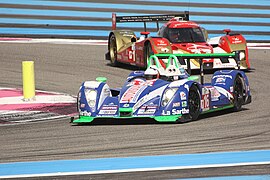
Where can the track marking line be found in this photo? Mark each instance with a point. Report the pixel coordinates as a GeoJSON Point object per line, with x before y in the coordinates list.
{"type": "Point", "coordinates": [42, 99]}
{"type": "Point", "coordinates": [134, 164]}
{"type": "Point", "coordinates": [134, 170]}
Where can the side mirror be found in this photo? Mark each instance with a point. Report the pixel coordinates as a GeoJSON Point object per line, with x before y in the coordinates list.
{"type": "Point", "coordinates": [227, 31]}
{"type": "Point", "coordinates": [145, 34]}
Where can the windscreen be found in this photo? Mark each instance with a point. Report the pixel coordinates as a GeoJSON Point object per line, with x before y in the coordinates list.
{"type": "Point", "coordinates": [185, 35]}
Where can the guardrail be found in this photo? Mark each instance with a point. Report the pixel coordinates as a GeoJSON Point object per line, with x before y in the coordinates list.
{"type": "Point", "coordinates": [92, 20]}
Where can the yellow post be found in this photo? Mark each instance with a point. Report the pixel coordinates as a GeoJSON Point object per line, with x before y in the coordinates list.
{"type": "Point", "coordinates": [28, 80]}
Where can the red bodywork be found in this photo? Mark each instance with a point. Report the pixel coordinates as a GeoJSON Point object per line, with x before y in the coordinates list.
{"type": "Point", "coordinates": [134, 54]}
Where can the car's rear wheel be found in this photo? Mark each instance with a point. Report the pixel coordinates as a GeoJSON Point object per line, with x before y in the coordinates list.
{"type": "Point", "coordinates": [113, 50]}
{"type": "Point", "coordinates": [147, 53]}
{"type": "Point", "coordinates": [194, 102]}
{"type": "Point", "coordinates": [238, 93]}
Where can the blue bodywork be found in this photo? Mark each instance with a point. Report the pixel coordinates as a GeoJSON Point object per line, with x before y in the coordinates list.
{"type": "Point", "coordinates": [161, 99]}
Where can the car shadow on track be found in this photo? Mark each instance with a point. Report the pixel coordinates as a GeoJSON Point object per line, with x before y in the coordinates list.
{"type": "Point", "coordinates": [147, 121]}
{"type": "Point", "coordinates": [220, 113]}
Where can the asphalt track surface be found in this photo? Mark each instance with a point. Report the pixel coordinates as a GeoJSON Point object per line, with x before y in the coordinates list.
{"type": "Point", "coordinates": [63, 68]}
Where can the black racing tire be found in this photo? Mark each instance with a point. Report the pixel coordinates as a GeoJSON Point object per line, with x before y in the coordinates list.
{"type": "Point", "coordinates": [148, 51]}
{"type": "Point", "coordinates": [238, 93]}
{"type": "Point", "coordinates": [194, 102]}
{"type": "Point", "coordinates": [113, 50]}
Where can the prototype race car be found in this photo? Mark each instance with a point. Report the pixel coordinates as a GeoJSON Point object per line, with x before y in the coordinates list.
{"type": "Point", "coordinates": [177, 36]}
{"type": "Point", "coordinates": [164, 93]}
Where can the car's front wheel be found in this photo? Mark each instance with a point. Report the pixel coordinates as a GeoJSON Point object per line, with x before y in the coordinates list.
{"type": "Point", "coordinates": [147, 53]}
{"type": "Point", "coordinates": [194, 99]}
{"type": "Point", "coordinates": [113, 50]}
{"type": "Point", "coordinates": [194, 102]}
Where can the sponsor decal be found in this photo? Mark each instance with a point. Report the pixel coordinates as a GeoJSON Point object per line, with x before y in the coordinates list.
{"type": "Point", "coordinates": [178, 112]}
{"type": "Point", "coordinates": [183, 95]}
{"type": "Point", "coordinates": [109, 107]}
{"type": "Point", "coordinates": [222, 76]}
{"type": "Point", "coordinates": [231, 89]}
{"type": "Point", "coordinates": [126, 105]}
{"type": "Point", "coordinates": [198, 49]}
{"type": "Point", "coordinates": [220, 80]}
{"type": "Point", "coordinates": [185, 111]}
{"type": "Point", "coordinates": [139, 48]}
{"type": "Point", "coordinates": [161, 42]}
{"type": "Point", "coordinates": [214, 93]}
{"type": "Point", "coordinates": [166, 113]}
{"type": "Point", "coordinates": [147, 110]}
{"type": "Point", "coordinates": [85, 113]}
{"type": "Point", "coordinates": [108, 110]}
{"type": "Point", "coordinates": [132, 94]}
{"type": "Point", "coordinates": [176, 104]}
{"type": "Point", "coordinates": [141, 82]}
{"type": "Point", "coordinates": [184, 103]}
{"type": "Point", "coordinates": [236, 40]}
{"type": "Point", "coordinates": [178, 51]}
{"type": "Point", "coordinates": [175, 112]}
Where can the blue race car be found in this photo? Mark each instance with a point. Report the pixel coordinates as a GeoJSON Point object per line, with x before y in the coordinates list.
{"type": "Point", "coordinates": [165, 92]}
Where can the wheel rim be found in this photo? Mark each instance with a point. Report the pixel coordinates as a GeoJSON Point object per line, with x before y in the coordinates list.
{"type": "Point", "coordinates": [112, 49]}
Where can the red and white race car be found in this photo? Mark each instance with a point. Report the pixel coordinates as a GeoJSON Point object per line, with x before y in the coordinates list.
{"type": "Point", "coordinates": [177, 36]}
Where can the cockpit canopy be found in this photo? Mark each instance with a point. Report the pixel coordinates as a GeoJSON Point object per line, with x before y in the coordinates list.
{"type": "Point", "coordinates": [182, 35]}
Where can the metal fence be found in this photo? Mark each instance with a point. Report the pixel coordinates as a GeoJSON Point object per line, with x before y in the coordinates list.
{"type": "Point", "coordinates": [91, 19]}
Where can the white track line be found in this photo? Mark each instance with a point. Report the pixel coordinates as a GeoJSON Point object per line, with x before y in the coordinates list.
{"type": "Point", "coordinates": [59, 41]}
{"type": "Point", "coordinates": [135, 170]}
{"type": "Point", "coordinates": [44, 99]}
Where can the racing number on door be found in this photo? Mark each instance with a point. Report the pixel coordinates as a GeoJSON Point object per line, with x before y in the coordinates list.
{"type": "Point", "coordinates": [130, 55]}
{"type": "Point", "coordinates": [205, 103]}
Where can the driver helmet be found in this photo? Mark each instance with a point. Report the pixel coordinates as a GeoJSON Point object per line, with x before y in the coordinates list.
{"type": "Point", "coordinates": [151, 73]}
{"type": "Point", "coordinates": [174, 36]}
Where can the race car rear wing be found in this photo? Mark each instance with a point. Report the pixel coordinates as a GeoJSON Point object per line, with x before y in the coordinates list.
{"type": "Point", "coordinates": [148, 18]}
{"type": "Point", "coordinates": [235, 55]}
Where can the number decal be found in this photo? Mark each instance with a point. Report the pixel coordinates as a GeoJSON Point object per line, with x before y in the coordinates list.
{"type": "Point", "coordinates": [130, 55]}
{"type": "Point", "coordinates": [205, 102]}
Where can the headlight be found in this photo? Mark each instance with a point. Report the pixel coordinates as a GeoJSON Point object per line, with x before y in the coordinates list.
{"type": "Point", "coordinates": [169, 93]}
{"type": "Point", "coordinates": [242, 55]}
{"type": "Point", "coordinates": [91, 96]}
